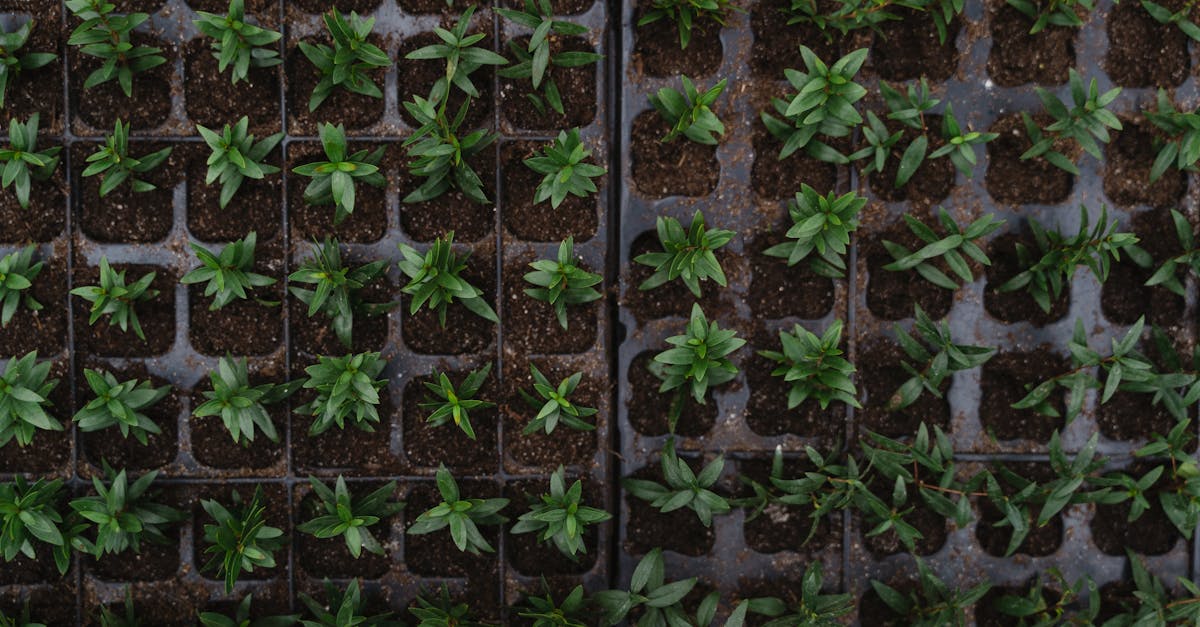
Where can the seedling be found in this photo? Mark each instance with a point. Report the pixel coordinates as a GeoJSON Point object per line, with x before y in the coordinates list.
{"type": "Point", "coordinates": [850, 15]}
{"type": "Point", "coordinates": [822, 108]}
{"type": "Point", "coordinates": [333, 180]}
{"type": "Point", "coordinates": [1180, 499]}
{"type": "Point", "coordinates": [815, 608]}
{"type": "Point", "coordinates": [554, 406]}
{"type": "Point", "coordinates": [240, 405]}
{"type": "Point", "coordinates": [338, 289]}
{"type": "Point", "coordinates": [128, 619]}
{"type": "Point", "coordinates": [237, 44]}
{"type": "Point", "coordinates": [1087, 121]}
{"type": "Point", "coordinates": [120, 404]}
{"type": "Point", "coordinates": [1182, 18]}
{"type": "Point", "coordinates": [342, 608]}
{"type": "Point", "coordinates": [462, 58]}
{"type": "Point", "coordinates": [1179, 146]}
{"type": "Point", "coordinates": [660, 602]}
{"type": "Point", "coordinates": [24, 392]}
{"type": "Point", "coordinates": [440, 156]}
{"type": "Point", "coordinates": [535, 59]}
{"type": "Point", "coordinates": [117, 300]}
{"type": "Point", "coordinates": [117, 165]}
{"type": "Point", "coordinates": [28, 514]}
{"type": "Point", "coordinates": [108, 38]}
{"type": "Point", "coordinates": [1155, 603]}
{"type": "Point", "coordinates": [932, 605]}
{"type": "Point", "coordinates": [347, 387]}
{"type": "Point", "coordinates": [689, 113]}
{"type": "Point", "coordinates": [13, 61]}
{"type": "Point", "coordinates": [349, 62]}
{"type": "Point", "coordinates": [936, 357]}
{"type": "Point", "coordinates": [565, 172]}
{"type": "Point", "coordinates": [22, 620]}
{"type": "Point", "coordinates": [562, 282]}
{"type": "Point", "coordinates": [1167, 275]}
{"type": "Point", "coordinates": [949, 248]}
{"type": "Point", "coordinates": [240, 540]}
{"type": "Point", "coordinates": [687, 255]}
{"type": "Point", "coordinates": [461, 515]}
{"type": "Point", "coordinates": [814, 367]}
{"type": "Point", "coordinates": [451, 404]}
{"type": "Point", "coordinates": [435, 280]}
{"type": "Point", "coordinates": [349, 517]}
{"type": "Point", "coordinates": [442, 612]}
{"type": "Point", "coordinates": [685, 13]}
{"type": "Point", "coordinates": [684, 487]}
{"type": "Point", "coordinates": [698, 359]}
{"type": "Point", "coordinates": [241, 617]}
{"type": "Point", "coordinates": [1052, 12]}
{"type": "Point", "coordinates": [125, 513]}
{"type": "Point", "coordinates": [236, 156]}
{"type": "Point", "coordinates": [17, 274]}
{"type": "Point", "coordinates": [561, 517]}
{"type": "Point", "coordinates": [228, 275]}
{"type": "Point", "coordinates": [1049, 605]}
{"type": "Point", "coordinates": [822, 224]}
{"type": "Point", "coordinates": [544, 611]}
{"type": "Point", "coordinates": [23, 162]}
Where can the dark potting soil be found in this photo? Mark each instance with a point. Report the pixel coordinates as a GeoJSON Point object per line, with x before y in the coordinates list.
{"type": "Point", "coordinates": [23, 570]}
{"type": "Point", "coordinates": [367, 223]}
{"type": "Point", "coordinates": [1017, 305]}
{"type": "Point", "coordinates": [873, 611]}
{"type": "Point", "coordinates": [45, 603]}
{"type": "Point", "coordinates": [1143, 52]}
{"type": "Point", "coordinates": [784, 527]}
{"type": "Point", "coordinates": [46, 216]}
{"type": "Point", "coordinates": [931, 525]}
{"type": "Point", "coordinates": [255, 207]}
{"type": "Point", "coordinates": [672, 298]}
{"type": "Point", "coordinates": [44, 330]}
{"type": "Point", "coordinates": [213, 446]}
{"type": "Point", "coordinates": [1128, 158]}
{"type": "Point", "coordinates": [576, 217]}
{"type": "Point", "coordinates": [894, 295]}
{"type": "Point", "coordinates": [125, 215]}
{"type": "Point", "coordinates": [564, 445]}
{"type": "Point", "coordinates": [932, 181]}
{"type": "Point", "coordinates": [1128, 417]}
{"type": "Point", "coordinates": [777, 47]}
{"type": "Point", "coordinates": [108, 445]}
{"type": "Point", "coordinates": [1125, 297]}
{"type": "Point", "coordinates": [454, 7]}
{"type": "Point", "coordinates": [909, 48]}
{"type": "Point", "coordinates": [1006, 379]}
{"type": "Point", "coordinates": [767, 412]}
{"type": "Point", "coordinates": [778, 290]}
{"type": "Point", "coordinates": [677, 168]}
{"type": "Point", "coordinates": [435, 555]}
{"type": "Point", "coordinates": [362, 7]}
{"type": "Point", "coordinates": [648, 409]}
{"type": "Point", "coordinates": [329, 557]}
{"type": "Point", "coordinates": [244, 327]}
{"type": "Point", "coordinates": [419, 75]}
{"type": "Point", "coordinates": [531, 325]}
{"type": "Point", "coordinates": [774, 178]}
{"type": "Point", "coordinates": [1151, 534]}
{"type": "Point", "coordinates": [368, 453]}
{"type": "Point", "coordinates": [1017, 57]}
{"type": "Point", "coordinates": [533, 558]}
{"type": "Point", "coordinates": [1117, 597]}
{"type": "Point", "coordinates": [26, 93]}
{"type": "Point", "coordinates": [264, 11]}
{"type": "Point", "coordinates": [157, 316]}
{"type": "Point", "coordinates": [353, 110]}
{"type": "Point", "coordinates": [99, 107]}
{"type": "Point", "coordinates": [647, 528]}
{"type": "Point", "coordinates": [471, 221]}
{"type": "Point", "coordinates": [656, 49]}
{"type": "Point", "coordinates": [576, 87]}
{"type": "Point", "coordinates": [1041, 541]}
{"type": "Point", "coordinates": [155, 562]}
{"type": "Point", "coordinates": [1011, 180]}
{"type": "Point", "coordinates": [427, 446]}
{"type": "Point", "coordinates": [881, 374]}
{"type": "Point", "coordinates": [257, 97]}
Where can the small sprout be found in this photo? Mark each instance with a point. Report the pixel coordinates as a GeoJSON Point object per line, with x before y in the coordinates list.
{"type": "Point", "coordinates": [1181, 18]}
{"type": "Point", "coordinates": [13, 62]}
{"type": "Point", "coordinates": [108, 38]}
{"type": "Point", "coordinates": [241, 617]}
{"type": "Point", "coordinates": [453, 405]}
{"type": "Point", "coordinates": [1050, 605]}
{"type": "Point", "coordinates": [227, 275]}
{"type": "Point", "coordinates": [822, 224]}
{"type": "Point", "coordinates": [116, 299]}
{"type": "Point", "coordinates": [950, 249]}
{"type": "Point", "coordinates": [461, 515]}
{"type": "Point", "coordinates": [22, 620]}
{"type": "Point", "coordinates": [442, 612]}
{"type": "Point", "coordinates": [23, 162]}
{"type": "Point", "coordinates": [684, 487]}
{"type": "Point", "coordinates": [1052, 12]}
{"type": "Point", "coordinates": [648, 589]}
{"type": "Point", "coordinates": [117, 165]}
{"type": "Point", "coordinates": [544, 611]}
{"type": "Point", "coordinates": [564, 170]}
{"type": "Point", "coordinates": [28, 514]}
{"type": "Point", "coordinates": [534, 61]}
{"type": "Point", "coordinates": [238, 44]}
{"type": "Point", "coordinates": [561, 517]}
{"type": "Point", "coordinates": [462, 58]}
{"type": "Point", "coordinates": [125, 513]}
{"type": "Point", "coordinates": [554, 406]}
{"type": "Point", "coordinates": [823, 106]}
{"type": "Point", "coordinates": [341, 514]}
{"type": "Point", "coordinates": [240, 405]}
{"type": "Point", "coordinates": [960, 145]}
{"type": "Point", "coordinates": [934, 603]}
{"type": "Point", "coordinates": [440, 156]}
{"type": "Point", "coordinates": [698, 359]}
{"type": "Point", "coordinates": [685, 13]}
{"type": "Point", "coordinates": [17, 274]}
{"type": "Point", "coordinates": [120, 404]}
{"type": "Point", "coordinates": [347, 387]}
{"type": "Point", "coordinates": [936, 359]}
{"type": "Point", "coordinates": [687, 255]}
{"type": "Point", "coordinates": [689, 113]}
{"type": "Point", "coordinates": [236, 156]}
{"type": "Point", "coordinates": [1180, 148]}
{"type": "Point", "coordinates": [435, 280]}
{"type": "Point", "coordinates": [240, 540]}
{"type": "Point", "coordinates": [1167, 274]}
{"type": "Point", "coordinates": [815, 608]}
{"type": "Point", "coordinates": [338, 289]}
{"type": "Point", "coordinates": [814, 367]}
{"type": "Point", "coordinates": [333, 179]}
{"type": "Point", "coordinates": [24, 392]}
{"type": "Point", "coordinates": [1181, 504]}
{"type": "Point", "coordinates": [562, 282]}
{"type": "Point", "coordinates": [348, 63]}
{"type": "Point", "coordinates": [129, 619]}
{"type": "Point", "coordinates": [850, 15]}
{"type": "Point", "coordinates": [1084, 123]}
{"type": "Point", "coordinates": [342, 608]}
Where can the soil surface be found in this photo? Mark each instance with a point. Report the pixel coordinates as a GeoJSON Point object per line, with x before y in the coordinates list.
{"type": "Point", "coordinates": [656, 49]}
{"type": "Point", "coordinates": [893, 295]}
{"type": "Point", "coordinates": [1013, 181]}
{"type": "Point", "coordinates": [1017, 305]}
{"type": "Point", "coordinates": [1008, 378]}
{"type": "Point", "coordinates": [355, 111]}
{"type": "Point", "coordinates": [1041, 541]}
{"type": "Point", "coordinates": [1143, 52]}
{"type": "Point", "coordinates": [576, 88]}
{"type": "Point", "coordinates": [934, 178]}
{"type": "Point", "coordinates": [532, 326]}
{"type": "Point", "coordinates": [1017, 57]}
{"type": "Point", "coordinates": [646, 404]}
{"type": "Point", "coordinates": [1125, 297]}
{"type": "Point", "coordinates": [779, 527]}
{"type": "Point", "coordinates": [427, 445]}
{"type": "Point", "coordinates": [881, 375]}
{"type": "Point", "coordinates": [1151, 534]}
{"type": "Point", "coordinates": [680, 167]}
{"type": "Point", "coordinates": [778, 290]}
{"type": "Point", "coordinates": [909, 48]}
{"type": "Point", "coordinates": [564, 445]}
{"type": "Point", "coordinates": [1128, 158]}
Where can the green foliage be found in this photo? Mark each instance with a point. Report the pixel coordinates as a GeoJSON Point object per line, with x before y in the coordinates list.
{"type": "Point", "coordinates": [685, 13]}
{"type": "Point", "coordinates": [24, 399]}
{"type": "Point", "coordinates": [341, 514]}
{"type": "Point", "coordinates": [237, 44]}
{"type": "Point", "coordinates": [684, 487]}
{"type": "Point", "coordinates": [22, 620]}
{"type": "Point", "coordinates": [544, 611]}
{"type": "Point", "coordinates": [949, 248]}
{"type": "Point", "coordinates": [349, 62]}
{"type": "Point", "coordinates": [1180, 497]}
{"type": "Point", "coordinates": [450, 404]}
{"type": "Point", "coordinates": [554, 405]}
{"type": "Point", "coordinates": [822, 108]}
{"type": "Point", "coordinates": [342, 609]}
{"type": "Point", "coordinates": [117, 165]}
{"type": "Point", "coordinates": [561, 517]}
{"type": "Point", "coordinates": [1167, 275]}
{"type": "Point", "coordinates": [698, 359]}
{"type": "Point", "coordinates": [659, 601]}
{"type": "Point", "coordinates": [117, 300]}
{"type": "Point", "coordinates": [333, 179]}
{"type": "Point", "coordinates": [17, 274]}
{"type": "Point", "coordinates": [240, 405]}
{"type": "Point", "coordinates": [562, 282]}
{"type": "Point", "coordinates": [850, 15]}
{"type": "Point", "coordinates": [535, 60]}
{"type": "Point", "coordinates": [814, 367]}
{"type": "Point", "coordinates": [1179, 144]}
{"type": "Point", "coordinates": [822, 224]}
{"type": "Point", "coordinates": [816, 609]}
{"type": "Point", "coordinates": [462, 59]}
{"type": "Point", "coordinates": [13, 62]}
{"type": "Point", "coordinates": [936, 357]}
{"type": "Point", "coordinates": [442, 612]}
{"type": "Point", "coordinates": [28, 514]}
{"type": "Point", "coordinates": [1085, 122]}
{"type": "Point", "coordinates": [461, 515]}
{"type": "Point", "coordinates": [440, 156]}
{"type": "Point", "coordinates": [1153, 604]}
{"type": "Point", "coordinates": [934, 603]}
{"type": "Point", "coordinates": [228, 275]}
{"type": "Point", "coordinates": [1182, 18]}
{"type": "Point", "coordinates": [347, 387]}
{"type": "Point", "coordinates": [240, 540]}
{"type": "Point", "coordinates": [236, 156]}
{"type": "Point", "coordinates": [23, 162]}
{"type": "Point", "coordinates": [338, 289]}
{"type": "Point", "coordinates": [564, 170]}
{"type": "Point", "coordinates": [124, 514]}
{"type": "Point", "coordinates": [128, 619]}
{"type": "Point", "coordinates": [435, 280]}
{"type": "Point", "coordinates": [689, 113]}
{"type": "Point", "coordinates": [120, 404]}
{"type": "Point", "coordinates": [108, 38]}
{"type": "Point", "coordinates": [687, 255]}
{"type": "Point", "coordinates": [1052, 12]}
{"type": "Point", "coordinates": [241, 618]}
{"type": "Point", "coordinates": [1054, 605]}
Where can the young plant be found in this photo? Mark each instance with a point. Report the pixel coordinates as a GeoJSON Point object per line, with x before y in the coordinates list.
{"type": "Point", "coordinates": [24, 399]}
{"type": "Point", "coordinates": [822, 108]}
{"type": "Point", "coordinates": [544, 611]}
{"type": "Point", "coordinates": [333, 179]}
{"type": "Point", "coordinates": [565, 172]}
{"type": "Point", "coordinates": [936, 357]}
{"type": "Point", "coordinates": [1180, 500]}
{"type": "Point", "coordinates": [342, 609]}
{"type": "Point", "coordinates": [949, 249]}
{"type": "Point", "coordinates": [687, 255]}
{"type": "Point", "coordinates": [1167, 275]}
{"type": "Point", "coordinates": [241, 617]}
{"type": "Point", "coordinates": [17, 274]}
{"type": "Point", "coordinates": [534, 61]}
{"type": "Point", "coordinates": [117, 300]}
{"type": "Point", "coordinates": [561, 517]}
{"type": "Point", "coordinates": [1052, 12]}
{"type": "Point", "coordinates": [435, 280]}
{"type": "Point", "coordinates": [439, 155]}
{"type": "Point", "coordinates": [347, 387]}
{"type": "Point", "coordinates": [349, 517]}
{"type": "Point", "coordinates": [237, 44]}
{"type": "Point", "coordinates": [240, 405]}
{"type": "Point", "coordinates": [934, 603]}
{"type": "Point", "coordinates": [128, 619]}
{"type": "Point", "coordinates": [1154, 603]}
{"type": "Point", "coordinates": [849, 15]}
{"type": "Point", "coordinates": [684, 487]}
{"type": "Point", "coordinates": [236, 156]}
{"type": "Point", "coordinates": [28, 514]}
{"type": "Point", "coordinates": [554, 406]}
{"type": "Point", "coordinates": [22, 620]}
{"type": "Point", "coordinates": [562, 282]}
{"type": "Point", "coordinates": [240, 540]}
{"type": "Point", "coordinates": [120, 404]}
{"type": "Point", "coordinates": [125, 513]}
{"type": "Point", "coordinates": [349, 62]}
{"type": "Point", "coordinates": [822, 224]}
{"type": "Point", "coordinates": [338, 289]}
{"type": "Point", "coordinates": [463, 516]}
{"type": "Point", "coordinates": [108, 37]}
{"type": "Point", "coordinates": [815, 609]}
{"type": "Point", "coordinates": [1179, 146]}
{"type": "Point", "coordinates": [227, 275]}
{"type": "Point", "coordinates": [115, 163]}
{"type": "Point", "coordinates": [689, 113]}
{"type": "Point", "coordinates": [698, 359]}
{"type": "Point", "coordinates": [23, 162]}
{"type": "Point", "coordinates": [814, 367]}
{"type": "Point", "coordinates": [451, 404]}
{"type": "Point", "coordinates": [442, 612]}
{"type": "Point", "coordinates": [462, 58]}
{"type": "Point", "coordinates": [13, 61]}
{"type": "Point", "coordinates": [685, 13]}
{"type": "Point", "coordinates": [1087, 121]}
{"type": "Point", "coordinates": [1181, 18]}
{"type": "Point", "coordinates": [1057, 604]}
{"type": "Point", "coordinates": [660, 602]}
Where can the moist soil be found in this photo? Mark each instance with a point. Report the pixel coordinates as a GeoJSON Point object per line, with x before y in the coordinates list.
{"type": "Point", "coordinates": [1041, 541]}
{"type": "Point", "coordinates": [435, 555]}
{"type": "Point", "coordinates": [1126, 417]}
{"type": "Point", "coordinates": [257, 97]}
{"type": "Point", "coordinates": [157, 316]}
{"type": "Point", "coordinates": [776, 48]}
{"type": "Point", "coordinates": [1143, 52]}
{"type": "Point", "coordinates": [355, 111]}
{"type": "Point", "coordinates": [909, 48]}
{"type": "Point", "coordinates": [576, 88]}
{"type": "Point", "coordinates": [244, 327]}
{"type": "Point", "coordinates": [778, 290]}
{"type": "Point", "coordinates": [1008, 378]}
{"type": "Point", "coordinates": [559, 7]}
{"type": "Point", "coordinates": [1013, 181]}
{"type": "Point", "coordinates": [782, 527]}
{"type": "Point", "coordinates": [1125, 297]}
{"type": "Point", "coordinates": [26, 93]}
{"type": "Point", "coordinates": [648, 408]}
{"type": "Point", "coordinates": [767, 412]}
{"type": "Point", "coordinates": [420, 74]}
{"type": "Point", "coordinates": [647, 528]}
{"type": "Point", "coordinates": [532, 558]}
{"type": "Point", "coordinates": [329, 557]}
{"type": "Point", "coordinates": [155, 562]}
{"type": "Point", "coordinates": [455, 7]}
{"type": "Point", "coordinates": [576, 217]}
{"type": "Point", "coordinates": [367, 223]}
{"type": "Point", "coordinates": [672, 298]}
{"type": "Point", "coordinates": [564, 445]}
{"type": "Point", "coordinates": [1151, 534]}
{"type": "Point", "coordinates": [427, 446]}
{"type": "Point", "coordinates": [531, 326]}
{"type": "Point", "coordinates": [255, 207]}
{"type": "Point", "coordinates": [44, 218]}
{"type": "Point", "coordinates": [45, 330]}
{"type": "Point", "coordinates": [677, 168]}
{"type": "Point", "coordinates": [873, 611]}
{"type": "Point", "coordinates": [1127, 163]}
{"type": "Point", "coordinates": [213, 447]}
{"type": "Point", "coordinates": [894, 295]}
{"type": "Point", "coordinates": [1017, 57]}
{"type": "Point", "coordinates": [362, 7]}
{"type": "Point", "coordinates": [775, 179]}
{"type": "Point", "coordinates": [881, 374]}
{"type": "Point", "coordinates": [933, 179]}
{"type": "Point", "coordinates": [99, 107]}
{"type": "Point", "coordinates": [45, 603]}
{"type": "Point", "coordinates": [1017, 305]}
{"type": "Point", "coordinates": [108, 445]}
{"type": "Point", "coordinates": [471, 221]}
{"type": "Point", "coordinates": [656, 49]}
{"type": "Point", "coordinates": [125, 215]}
